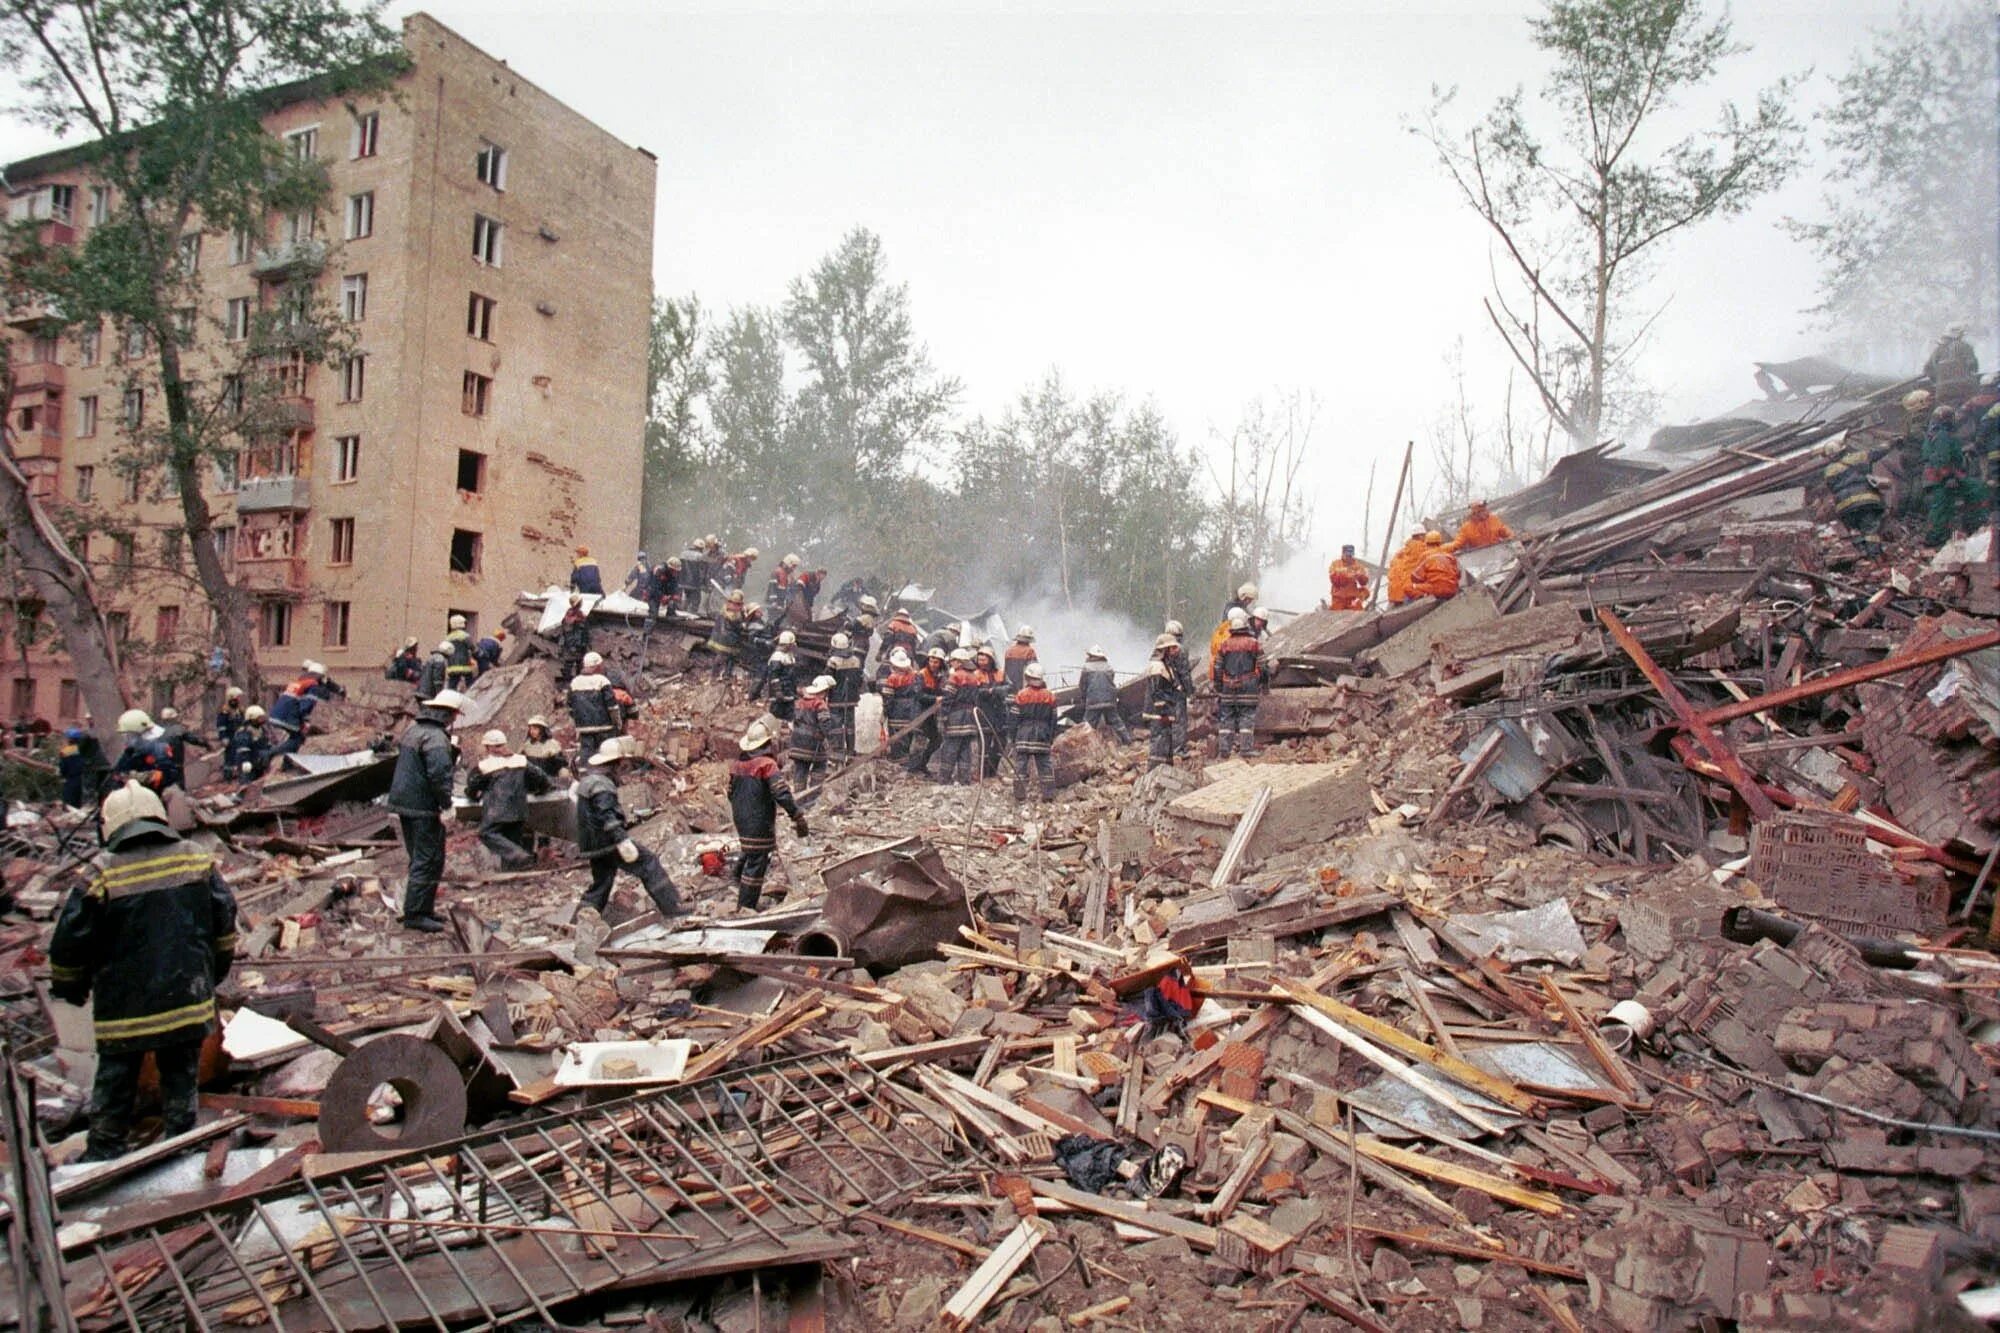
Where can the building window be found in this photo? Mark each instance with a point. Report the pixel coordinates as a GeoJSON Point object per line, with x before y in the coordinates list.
{"type": "Point", "coordinates": [354, 297]}
{"type": "Point", "coordinates": [119, 625]}
{"type": "Point", "coordinates": [170, 484]}
{"type": "Point", "coordinates": [170, 547]}
{"type": "Point", "coordinates": [225, 474]}
{"type": "Point", "coordinates": [301, 226]}
{"type": "Point", "coordinates": [367, 133]}
{"type": "Point", "coordinates": [225, 545]}
{"type": "Point", "coordinates": [24, 696]}
{"type": "Point", "coordinates": [190, 253]}
{"type": "Point", "coordinates": [491, 165]}
{"type": "Point", "coordinates": [471, 471]}
{"type": "Point", "coordinates": [70, 699]}
{"type": "Point", "coordinates": [477, 386]}
{"type": "Point", "coordinates": [353, 378]}
{"type": "Point", "coordinates": [86, 483]}
{"type": "Point", "coordinates": [88, 343]}
{"type": "Point", "coordinates": [232, 394]}
{"type": "Point", "coordinates": [346, 457]}
{"type": "Point", "coordinates": [288, 374]}
{"type": "Point", "coordinates": [124, 552]}
{"type": "Point", "coordinates": [100, 205]}
{"type": "Point", "coordinates": [335, 633]}
{"type": "Point", "coordinates": [135, 342]}
{"type": "Point", "coordinates": [129, 481]}
{"type": "Point", "coordinates": [486, 240]}
{"type": "Point", "coordinates": [304, 144]}
{"type": "Point", "coordinates": [360, 215]}
{"type": "Point", "coordinates": [274, 624]}
{"type": "Point", "coordinates": [464, 551]}
{"type": "Point", "coordinates": [242, 245]}
{"type": "Point", "coordinates": [184, 319]}
{"type": "Point", "coordinates": [342, 552]}
{"type": "Point", "coordinates": [236, 319]}
{"type": "Point", "coordinates": [135, 407]}
{"type": "Point", "coordinates": [62, 202]}
{"type": "Point", "coordinates": [166, 625]}
{"type": "Point", "coordinates": [86, 416]}
{"type": "Point", "coordinates": [479, 317]}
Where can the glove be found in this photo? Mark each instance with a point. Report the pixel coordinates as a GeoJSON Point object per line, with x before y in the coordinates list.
{"type": "Point", "coordinates": [799, 826]}
{"type": "Point", "coordinates": [628, 851]}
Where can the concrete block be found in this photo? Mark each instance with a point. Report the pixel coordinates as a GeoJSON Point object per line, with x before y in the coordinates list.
{"type": "Point", "coordinates": [1409, 649]}
{"type": "Point", "coordinates": [1310, 803]}
{"type": "Point", "coordinates": [1913, 1251]}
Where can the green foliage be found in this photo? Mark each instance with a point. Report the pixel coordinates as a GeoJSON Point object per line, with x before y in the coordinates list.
{"type": "Point", "coordinates": [1907, 242]}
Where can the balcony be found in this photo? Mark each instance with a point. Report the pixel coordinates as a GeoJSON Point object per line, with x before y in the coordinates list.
{"type": "Point", "coordinates": [54, 231]}
{"type": "Point", "coordinates": [286, 574]}
{"type": "Point", "coordinates": [41, 440]}
{"type": "Point", "coordinates": [293, 259]}
{"type": "Point", "coordinates": [276, 418]}
{"type": "Point", "coordinates": [43, 377]}
{"type": "Point", "coordinates": [34, 314]}
{"type": "Point", "coordinates": [43, 475]}
{"type": "Point", "coordinates": [262, 494]}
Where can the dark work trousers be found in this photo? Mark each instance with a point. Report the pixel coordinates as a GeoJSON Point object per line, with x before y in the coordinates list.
{"type": "Point", "coordinates": [1108, 718]}
{"type": "Point", "coordinates": [923, 744]}
{"type": "Point", "coordinates": [955, 759]}
{"type": "Point", "coordinates": [752, 865]}
{"type": "Point", "coordinates": [1181, 726]}
{"type": "Point", "coordinates": [1159, 742]}
{"type": "Point", "coordinates": [604, 868]}
{"type": "Point", "coordinates": [843, 726]}
{"type": "Point", "coordinates": [1236, 727]}
{"type": "Point", "coordinates": [806, 775]}
{"type": "Point", "coordinates": [509, 840]}
{"type": "Point", "coordinates": [113, 1095]}
{"type": "Point", "coordinates": [1038, 760]}
{"type": "Point", "coordinates": [423, 842]}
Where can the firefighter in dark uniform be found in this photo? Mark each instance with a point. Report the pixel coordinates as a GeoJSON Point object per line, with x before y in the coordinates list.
{"type": "Point", "coordinates": [1032, 720]}
{"type": "Point", "coordinates": [1856, 502]}
{"type": "Point", "coordinates": [149, 937]}
{"type": "Point", "coordinates": [432, 674]}
{"type": "Point", "coordinates": [959, 706]}
{"type": "Point", "coordinates": [1164, 699]}
{"type": "Point", "coordinates": [757, 791]}
{"type": "Point", "coordinates": [1019, 654]}
{"type": "Point", "coordinates": [1239, 678]}
{"type": "Point", "coordinates": [83, 767]}
{"type": "Point", "coordinates": [781, 676]}
{"type": "Point", "coordinates": [464, 665]}
{"type": "Point", "coordinates": [992, 708]}
{"type": "Point", "coordinates": [815, 734]}
{"type": "Point", "coordinates": [844, 665]}
{"type": "Point", "coordinates": [419, 797]}
{"type": "Point", "coordinates": [502, 783]}
{"type": "Point", "coordinates": [1097, 691]}
{"type": "Point", "coordinates": [902, 700]}
{"type": "Point", "coordinates": [248, 753]}
{"type": "Point", "coordinates": [900, 632]}
{"type": "Point", "coordinates": [593, 705]}
{"type": "Point", "coordinates": [602, 837]}
{"type": "Point", "coordinates": [932, 681]}
{"type": "Point", "coordinates": [542, 749]}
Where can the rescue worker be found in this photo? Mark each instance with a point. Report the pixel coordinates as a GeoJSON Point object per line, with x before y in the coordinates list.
{"type": "Point", "coordinates": [778, 592]}
{"type": "Point", "coordinates": [431, 676]}
{"type": "Point", "coordinates": [1164, 700]}
{"type": "Point", "coordinates": [1403, 564]}
{"type": "Point", "coordinates": [247, 756]}
{"type": "Point", "coordinates": [695, 574]}
{"type": "Point", "coordinates": [1436, 575]}
{"type": "Point", "coordinates": [542, 750]}
{"type": "Point", "coordinates": [843, 664]}
{"type": "Point", "coordinates": [902, 701]}
{"type": "Point", "coordinates": [146, 940]}
{"type": "Point", "coordinates": [663, 589]}
{"type": "Point", "coordinates": [814, 735]}
{"type": "Point", "coordinates": [1177, 662]}
{"type": "Point", "coordinates": [992, 708]}
{"type": "Point", "coordinates": [177, 738]}
{"type": "Point", "coordinates": [1908, 467]}
{"type": "Point", "coordinates": [730, 633]}
{"type": "Point", "coordinates": [407, 665]}
{"type": "Point", "coordinates": [1987, 442]}
{"type": "Point", "coordinates": [757, 791]}
{"type": "Point", "coordinates": [420, 796]}
{"type": "Point", "coordinates": [486, 652]}
{"type": "Point", "coordinates": [1953, 367]}
{"type": "Point", "coordinates": [1260, 623]}
{"type": "Point", "coordinates": [945, 639]}
{"type": "Point", "coordinates": [294, 707]}
{"type": "Point", "coordinates": [933, 679]}
{"type": "Point", "coordinates": [1347, 582]}
{"type": "Point", "coordinates": [593, 705]}
{"type": "Point", "coordinates": [1246, 597]}
{"type": "Point", "coordinates": [735, 569]}
{"type": "Point", "coordinates": [1949, 498]}
{"type": "Point", "coordinates": [584, 576]}
{"type": "Point", "coordinates": [81, 763]}
{"type": "Point", "coordinates": [781, 676]}
{"type": "Point", "coordinates": [1856, 502]}
{"type": "Point", "coordinates": [635, 577]}
{"type": "Point", "coordinates": [1031, 719]}
{"type": "Point", "coordinates": [603, 838]}
{"type": "Point", "coordinates": [805, 591]}
{"type": "Point", "coordinates": [1019, 653]}
{"type": "Point", "coordinates": [860, 626]}
{"type": "Point", "coordinates": [1482, 527]}
{"type": "Point", "coordinates": [145, 757]}
{"type": "Point", "coordinates": [1239, 679]}
{"type": "Point", "coordinates": [901, 632]}
{"type": "Point", "coordinates": [230, 716]}
{"type": "Point", "coordinates": [502, 783]}
{"type": "Point", "coordinates": [1097, 691]}
{"type": "Point", "coordinates": [959, 705]}
{"type": "Point", "coordinates": [459, 672]}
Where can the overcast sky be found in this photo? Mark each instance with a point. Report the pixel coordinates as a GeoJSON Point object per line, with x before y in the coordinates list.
{"type": "Point", "coordinates": [1194, 207]}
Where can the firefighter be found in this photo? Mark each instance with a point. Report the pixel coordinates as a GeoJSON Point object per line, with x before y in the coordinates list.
{"type": "Point", "coordinates": [584, 576]}
{"type": "Point", "coordinates": [1987, 442]}
{"type": "Point", "coordinates": [860, 626]}
{"type": "Point", "coordinates": [735, 569]}
{"type": "Point", "coordinates": [459, 673]}
{"type": "Point", "coordinates": [663, 589]}
{"type": "Point", "coordinates": [992, 708]}
{"type": "Point", "coordinates": [176, 736]}
{"type": "Point", "coordinates": [247, 756]}
{"type": "Point", "coordinates": [486, 653]}
{"type": "Point", "coordinates": [1097, 692]}
{"type": "Point", "coordinates": [636, 577]}
{"type": "Point", "coordinates": [959, 705]}
{"type": "Point", "coordinates": [781, 675]}
{"type": "Point", "coordinates": [1403, 564]}
{"type": "Point", "coordinates": [1950, 500]}
{"type": "Point", "coordinates": [1177, 662]}
{"type": "Point", "coordinates": [805, 590]}
{"type": "Point", "coordinates": [542, 750]}
{"type": "Point", "coordinates": [900, 632]}
{"type": "Point", "coordinates": [902, 700]}
{"type": "Point", "coordinates": [933, 679]}
{"type": "Point", "coordinates": [1953, 367]}
{"type": "Point", "coordinates": [1347, 582]}
{"type": "Point", "coordinates": [1031, 716]}
{"type": "Point", "coordinates": [81, 763]}
{"type": "Point", "coordinates": [146, 940]}
{"type": "Point", "coordinates": [1164, 701]}
{"type": "Point", "coordinates": [1856, 502]}
{"type": "Point", "coordinates": [1482, 527]}
{"type": "Point", "coordinates": [431, 674]}
{"type": "Point", "coordinates": [602, 836]}
{"type": "Point", "coordinates": [945, 639]}
{"type": "Point", "coordinates": [420, 796]}
{"type": "Point", "coordinates": [1246, 597]}
{"type": "Point", "coordinates": [293, 710]}
{"type": "Point", "coordinates": [1019, 654]}
{"type": "Point", "coordinates": [407, 665]}
{"type": "Point", "coordinates": [1260, 623]}
{"type": "Point", "coordinates": [814, 735]}
{"type": "Point", "coordinates": [1239, 678]}
{"type": "Point", "coordinates": [757, 791]}
{"type": "Point", "coordinates": [843, 664]}
{"type": "Point", "coordinates": [572, 637]}
{"type": "Point", "coordinates": [145, 757]}
{"type": "Point", "coordinates": [502, 783]}
{"type": "Point", "coordinates": [593, 705]}
{"type": "Point", "coordinates": [1436, 575]}
{"type": "Point", "coordinates": [730, 633]}
{"type": "Point", "coordinates": [778, 592]}
{"type": "Point", "coordinates": [230, 716]}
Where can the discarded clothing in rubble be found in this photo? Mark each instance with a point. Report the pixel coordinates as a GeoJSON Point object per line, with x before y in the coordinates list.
{"type": "Point", "coordinates": [1104, 1166]}
{"type": "Point", "coordinates": [1165, 1006]}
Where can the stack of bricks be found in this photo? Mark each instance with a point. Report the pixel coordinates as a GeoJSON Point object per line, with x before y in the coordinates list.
{"type": "Point", "coordinates": [1917, 1042]}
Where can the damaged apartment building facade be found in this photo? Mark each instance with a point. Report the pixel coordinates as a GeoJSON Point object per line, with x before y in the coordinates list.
{"type": "Point", "coordinates": [491, 250]}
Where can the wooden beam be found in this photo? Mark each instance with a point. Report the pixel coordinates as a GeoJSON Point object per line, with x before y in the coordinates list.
{"type": "Point", "coordinates": [962, 1311]}
{"type": "Point", "coordinates": [1942, 651]}
{"type": "Point", "coordinates": [1490, 1086]}
{"type": "Point", "coordinates": [1138, 1215]}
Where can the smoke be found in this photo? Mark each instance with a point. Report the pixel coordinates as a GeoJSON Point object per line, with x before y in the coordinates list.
{"type": "Point", "coordinates": [1065, 627]}
{"type": "Point", "coordinates": [1297, 585]}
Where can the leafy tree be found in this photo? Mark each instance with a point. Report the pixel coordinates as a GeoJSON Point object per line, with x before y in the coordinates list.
{"type": "Point", "coordinates": [678, 376]}
{"type": "Point", "coordinates": [1908, 241]}
{"type": "Point", "coordinates": [172, 94]}
{"type": "Point", "coordinates": [1575, 216]}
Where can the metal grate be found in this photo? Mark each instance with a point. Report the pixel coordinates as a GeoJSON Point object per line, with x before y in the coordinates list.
{"type": "Point", "coordinates": [737, 1171]}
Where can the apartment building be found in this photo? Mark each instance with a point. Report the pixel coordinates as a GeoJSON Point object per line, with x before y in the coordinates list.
{"type": "Point", "coordinates": [492, 249]}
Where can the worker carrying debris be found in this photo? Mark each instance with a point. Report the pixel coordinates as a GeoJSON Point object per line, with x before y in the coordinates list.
{"type": "Point", "coordinates": [146, 941]}
{"type": "Point", "coordinates": [145, 758]}
{"type": "Point", "coordinates": [419, 795]}
{"type": "Point", "coordinates": [1403, 564]}
{"type": "Point", "coordinates": [602, 836]}
{"type": "Point", "coordinates": [1347, 582]}
{"type": "Point", "coordinates": [1165, 697]}
{"type": "Point", "coordinates": [757, 791]}
{"type": "Point", "coordinates": [1097, 691]}
{"type": "Point", "coordinates": [502, 782]}
{"type": "Point", "coordinates": [542, 749]}
{"type": "Point", "coordinates": [1239, 679]}
{"type": "Point", "coordinates": [1482, 527]}
{"type": "Point", "coordinates": [1031, 719]}
{"type": "Point", "coordinates": [1856, 503]}
{"type": "Point", "coordinates": [1436, 575]}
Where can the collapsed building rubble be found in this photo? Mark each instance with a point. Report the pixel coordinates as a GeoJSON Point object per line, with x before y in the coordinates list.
{"type": "Point", "coordinates": [1598, 949]}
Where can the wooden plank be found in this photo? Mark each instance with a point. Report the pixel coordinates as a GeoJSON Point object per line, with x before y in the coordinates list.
{"type": "Point", "coordinates": [1451, 1173]}
{"type": "Point", "coordinates": [938, 1238]}
{"type": "Point", "coordinates": [1490, 1086]}
{"type": "Point", "coordinates": [1482, 759]}
{"type": "Point", "coordinates": [1942, 651]}
{"type": "Point", "coordinates": [1443, 1244]}
{"type": "Point", "coordinates": [105, 1173]}
{"type": "Point", "coordinates": [1239, 838]}
{"type": "Point", "coordinates": [1607, 1059]}
{"type": "Point", "coordinates": [285, 1106]}
{"type": "Point", "coordinates": [962, 1311]}
{"type": "Point", "coordinates": [1280, 919]}
{"type": "Point", "coordinates": [1397, 1070]}
{"type": "Point", "coordinates": [1237, 1185]}
{"type": "Point", "coordinates": [1194, 1233]}
{"type": "Point", "coordinates": [1421, 1002]}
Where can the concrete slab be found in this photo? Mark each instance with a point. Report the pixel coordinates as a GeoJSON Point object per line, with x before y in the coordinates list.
{"type": "Point", "coordinates": [1410, 648]}
{"type": "Point", "coordinates": [1309, 803]}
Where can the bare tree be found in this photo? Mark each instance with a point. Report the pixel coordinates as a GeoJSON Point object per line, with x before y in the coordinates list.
{"type": "Point", "coordinates": [1262, 517]}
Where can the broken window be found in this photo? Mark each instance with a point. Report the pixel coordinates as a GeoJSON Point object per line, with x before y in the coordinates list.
{"type": "Point", "coordinates": [464, 551]}
{"type": "Point", "coordinates": [477, 387]}
{"type": "Point", "coordinates": [471, 471]}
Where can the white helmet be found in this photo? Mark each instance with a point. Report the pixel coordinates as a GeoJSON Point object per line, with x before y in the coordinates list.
{"type": "Point", "coordinates": [447, 647]}
{"type": "Point", "coordinates": [1025, 634]}
{"type": "Point", "coordinates": [495, 739]}
{"type": "Point", "coordinates": [133, 721]}
{"type": "Point", "coordinates": [841, 643]}
{"type": "Point", "coordinates": [1248, 592]}
{"type": "Point", "coordinates": [786, 638]}
{"type": "Point", "coordinates": [1165, 641]}
{"type": "Point", "coordinates": [1034, 671]}
{"type": "Point", "coordinates": [1175, 628]}
{"type": "Point", "coordinates": [868, 603]}
{"type": "Point", "coordinates": [456, 622]}
{"type": "Point", "coordinates": [254, 713]}
{"type": "Point", "coordinates": [410, 642]}
{"type": "Point", "coordinates": [451, 699]}
{"type": "Point", "coordinates": [169, 715]}
{"type": "Point", "coordinates": [790, 562]}
{"type": "Point", "coordinates": [819, 685]}
{"type": "Point", "coordinates": [1238, 617]}
{"type": "Point", "coordinates": [1261, 613]}
{"type": "Point", "coordinates": [961, 654]}
{"type": "Point", "coordinates": [312, 668]}
{"type": "Point", "coordinates": [235, 691]}
{"type": "Point", "coordinates": [613, 749]}
{"type": "Point", "coordinates": [899, 660]}
{"type": "Point", "coordinates": [592, 661]}
{"type": "Point", "coordinates": [1094, 651]}
{"type": "Point", "coordinates": [752, 552]}
{"type": "Point", "coordinates": [131, 802]}
{"type": "Point", "coordinates": [759, 736]}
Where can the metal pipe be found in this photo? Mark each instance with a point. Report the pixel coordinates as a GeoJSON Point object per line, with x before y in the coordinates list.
{"type": "Point", "coordinates": [1748, 925]}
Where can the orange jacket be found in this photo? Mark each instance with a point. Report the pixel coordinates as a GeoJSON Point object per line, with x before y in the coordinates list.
{"type": "Point", "coordinates": [1215, 642]}
{"type": "Point", "coordinates": [1487, 529]}
{"type": "Point", "coordinates": [1402, 565]}
{"type": "Point", "coordinates": [1436, 575]}
{"type": "Point", "coordinates": [1347, 582]}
